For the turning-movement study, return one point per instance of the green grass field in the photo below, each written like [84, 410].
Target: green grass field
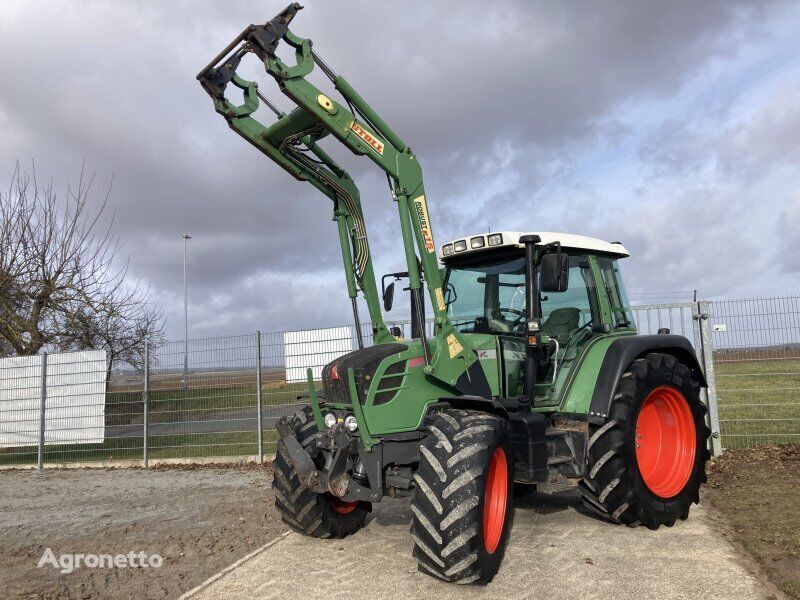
[178, 405]
[759, 401]
[196, 445]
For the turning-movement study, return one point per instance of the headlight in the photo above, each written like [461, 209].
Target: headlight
[330, 420]
[460, 245]
[447, 249]
[477, 242]
[495, 239]
[351, 423]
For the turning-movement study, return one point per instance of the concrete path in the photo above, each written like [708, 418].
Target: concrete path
[556, 551]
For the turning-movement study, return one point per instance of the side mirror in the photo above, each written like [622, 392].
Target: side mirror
[388, 297]
[554, 273]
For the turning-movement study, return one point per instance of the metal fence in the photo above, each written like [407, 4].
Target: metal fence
[757, 369]
[750, 351]
[219, 398]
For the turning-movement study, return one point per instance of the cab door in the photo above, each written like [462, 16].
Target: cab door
[567, 318]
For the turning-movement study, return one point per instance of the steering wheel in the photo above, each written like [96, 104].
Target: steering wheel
[520, 313]
[516, 321]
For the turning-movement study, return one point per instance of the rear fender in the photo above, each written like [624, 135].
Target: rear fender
[623, 351]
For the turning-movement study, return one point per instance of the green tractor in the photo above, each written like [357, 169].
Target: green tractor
[532, 373]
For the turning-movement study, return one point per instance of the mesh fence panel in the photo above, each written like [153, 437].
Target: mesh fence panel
[20, 386]
[757, 364]
[678, 318]
[75, 408]
[202, 398]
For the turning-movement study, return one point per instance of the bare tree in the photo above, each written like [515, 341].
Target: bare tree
[121, 327]
[60, 286]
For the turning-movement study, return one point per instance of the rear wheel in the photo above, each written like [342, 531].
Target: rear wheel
[462, 503]
[309, 513]
[647, 462]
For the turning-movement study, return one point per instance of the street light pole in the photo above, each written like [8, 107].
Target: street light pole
[185, 317]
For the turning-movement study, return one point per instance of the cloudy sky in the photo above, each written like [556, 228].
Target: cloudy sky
[673, 127]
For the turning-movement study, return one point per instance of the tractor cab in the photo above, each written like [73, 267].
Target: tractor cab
[486, 288]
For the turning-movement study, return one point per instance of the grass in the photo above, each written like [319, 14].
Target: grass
[759, 401]
[196, 445]
[178, 405]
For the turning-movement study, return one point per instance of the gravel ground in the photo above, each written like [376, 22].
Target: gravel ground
[199, 520]
[556, 551]
[756, 491]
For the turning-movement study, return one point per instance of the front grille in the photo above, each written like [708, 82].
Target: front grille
[392, 378]
[364, 363]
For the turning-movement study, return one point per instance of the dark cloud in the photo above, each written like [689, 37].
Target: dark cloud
[495, 101]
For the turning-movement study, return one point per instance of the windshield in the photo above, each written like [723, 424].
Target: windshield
[490, 298]
[487, 298]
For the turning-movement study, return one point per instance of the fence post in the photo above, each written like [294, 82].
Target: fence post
[259, 399]
[697, 331]
[708, 367]
[145, 402]
[42, 406]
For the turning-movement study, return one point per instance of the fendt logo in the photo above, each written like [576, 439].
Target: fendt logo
[424, 223]
[370, 139]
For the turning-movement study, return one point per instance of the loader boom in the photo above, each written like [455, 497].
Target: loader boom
[292, 141]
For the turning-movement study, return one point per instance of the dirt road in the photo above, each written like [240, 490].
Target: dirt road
[198, 520]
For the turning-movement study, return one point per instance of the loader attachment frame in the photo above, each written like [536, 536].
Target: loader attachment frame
[292, 141]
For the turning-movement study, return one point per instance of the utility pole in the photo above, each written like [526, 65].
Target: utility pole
[186, 236]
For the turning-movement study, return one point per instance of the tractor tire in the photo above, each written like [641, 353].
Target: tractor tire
[462, 505]
[309, 513]
[646, 463]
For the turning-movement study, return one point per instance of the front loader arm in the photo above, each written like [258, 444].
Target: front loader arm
[292, 142]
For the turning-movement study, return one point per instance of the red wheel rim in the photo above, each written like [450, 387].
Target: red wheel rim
[665, 441]
[342, 507]
[496, 498]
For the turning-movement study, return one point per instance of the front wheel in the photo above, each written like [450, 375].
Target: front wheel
[462, 503]
[647, 461]
[309, 513]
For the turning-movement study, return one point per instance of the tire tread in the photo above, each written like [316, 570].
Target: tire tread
[607, 488]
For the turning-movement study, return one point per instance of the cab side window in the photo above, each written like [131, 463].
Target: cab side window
[617, 296]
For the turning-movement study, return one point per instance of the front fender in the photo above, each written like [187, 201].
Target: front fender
[479, 403]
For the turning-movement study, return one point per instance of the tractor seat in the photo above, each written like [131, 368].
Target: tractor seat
[561, 323]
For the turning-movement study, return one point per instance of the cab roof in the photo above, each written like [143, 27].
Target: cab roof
[481, 242]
